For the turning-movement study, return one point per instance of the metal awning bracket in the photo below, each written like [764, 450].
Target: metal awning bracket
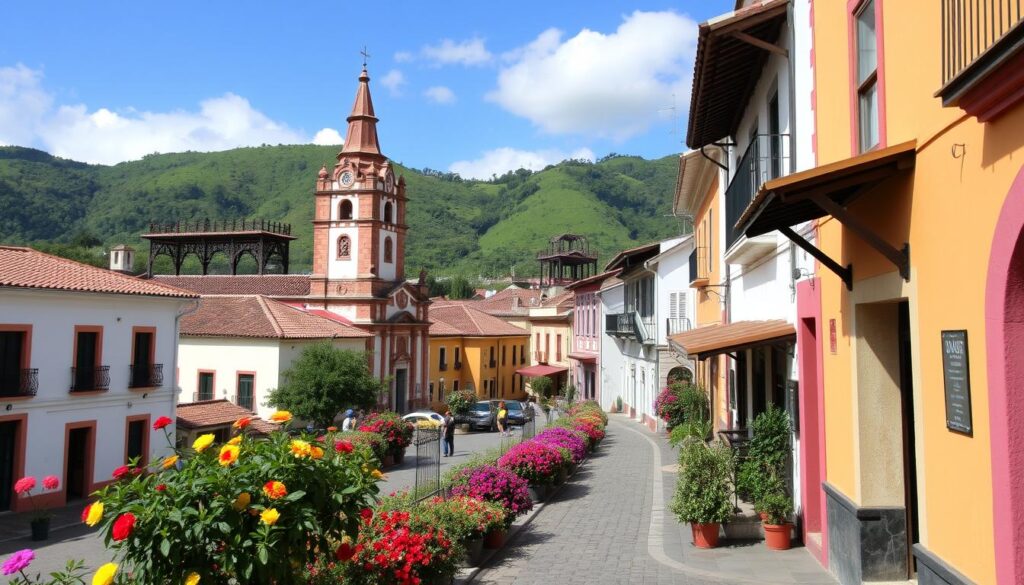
[715, 162]
[900, 258]
[845, 273]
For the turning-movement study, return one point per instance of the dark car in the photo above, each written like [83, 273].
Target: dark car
[482, 415]
[518, 413]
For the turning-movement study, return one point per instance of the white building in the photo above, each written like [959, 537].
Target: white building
[236, 347]
[86, 365]
[652, 305]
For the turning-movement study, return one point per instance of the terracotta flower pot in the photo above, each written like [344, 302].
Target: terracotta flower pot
[474, 551]
[389, 460]
[495, 539]
[399, 456]
[705, 535]
[778, 536]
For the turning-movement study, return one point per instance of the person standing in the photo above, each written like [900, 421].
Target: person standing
[448, 428]
[503, 418]
[349, 424]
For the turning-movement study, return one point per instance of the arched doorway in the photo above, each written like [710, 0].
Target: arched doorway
[679, 374]
[1004, 333]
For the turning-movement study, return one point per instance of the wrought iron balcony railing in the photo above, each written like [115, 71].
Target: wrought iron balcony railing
[90, 378]
[973, 32]
[145, 375]
[766, 158]
[493, 363]
[21, 382]
[677, 325]
[457, 366]
[629, 324]
[442, 367]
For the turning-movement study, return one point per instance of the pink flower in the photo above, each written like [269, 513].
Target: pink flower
[51, 482]
[19, 561]
[24, 485]
[121, 472]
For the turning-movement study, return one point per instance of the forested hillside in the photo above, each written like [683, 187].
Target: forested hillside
[456, 226]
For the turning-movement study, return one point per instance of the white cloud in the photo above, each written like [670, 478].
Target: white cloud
[608, 85]
[393, 80]
[440, 94]
[328, 136]
[29, 117]
[403, 57]
[501, 160]
[448, 52]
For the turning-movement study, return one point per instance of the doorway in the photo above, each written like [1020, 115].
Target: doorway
[79, 463]
[8, 455]
[142, 351]
[909, 439]
[401, 381]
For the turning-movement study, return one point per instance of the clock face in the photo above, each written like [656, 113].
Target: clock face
[346, 179]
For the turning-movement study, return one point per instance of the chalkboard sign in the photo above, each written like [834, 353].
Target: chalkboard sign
[956, 374]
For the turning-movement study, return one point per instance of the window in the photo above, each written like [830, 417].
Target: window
[522, 353]
[344, 248]
[513, 356]
[676, 310]
[430, 389]
[455, 386]
[867, 76]
[345, 209]
[88, 373]
[441, 363]
[135, 447]
[503, 351]
[558, 348]
[492, 356]
[14, 359]
[547, 344]
[245, 390]
[458, 355]
[387, 213]
[388, 253]
[205, 388]
[144, 371]
[440, 389]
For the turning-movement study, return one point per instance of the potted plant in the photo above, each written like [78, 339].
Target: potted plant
[702, 495]
[396, 432]
[618, 404]
[536, 462]
[40, 521]
[459, 403]
[775, 508]
[494, 484]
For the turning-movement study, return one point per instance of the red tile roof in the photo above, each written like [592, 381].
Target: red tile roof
[28, 268]
[216, 413]
[563, 300]
[465, 319]
[510, 301]
[260, 317]
[271, 285]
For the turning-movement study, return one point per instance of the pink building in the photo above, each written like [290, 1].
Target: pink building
[585, 358]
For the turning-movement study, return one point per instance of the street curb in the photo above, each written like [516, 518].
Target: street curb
[469, 574]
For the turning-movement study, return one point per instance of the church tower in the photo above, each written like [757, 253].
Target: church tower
[359, 236]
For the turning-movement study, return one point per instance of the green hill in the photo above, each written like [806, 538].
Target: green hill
[456, 226]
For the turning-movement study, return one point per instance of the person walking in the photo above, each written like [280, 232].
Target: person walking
[503, 418]
[349, 424]
[448, 428]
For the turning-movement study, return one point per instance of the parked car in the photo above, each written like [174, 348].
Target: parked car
[518, 413]
[482, 415]
[424, 415]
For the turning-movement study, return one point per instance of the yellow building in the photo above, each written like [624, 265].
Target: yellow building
[911, 331]
[470, 349]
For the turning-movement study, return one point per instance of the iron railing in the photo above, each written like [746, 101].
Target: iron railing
[443, 367]
[428, 463]
[224, 225]
[145, 376]
[457, 366]
[766, 158]
[20, 382]
[629, 324]
[91, 378]
[245, 401]
[698, 264]
[970, 28]
[677, 325]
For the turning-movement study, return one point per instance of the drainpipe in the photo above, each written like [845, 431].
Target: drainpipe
[188, 309]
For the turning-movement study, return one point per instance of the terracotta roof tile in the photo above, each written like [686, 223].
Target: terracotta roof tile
[510, 301]
[467, 320]
[216, 413]
[260, 317]
[271, 285]
[563, 300]
[28, 268]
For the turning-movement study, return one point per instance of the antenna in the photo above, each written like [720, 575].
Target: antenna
[675, 115]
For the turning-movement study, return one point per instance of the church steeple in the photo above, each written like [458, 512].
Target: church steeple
[362, 123]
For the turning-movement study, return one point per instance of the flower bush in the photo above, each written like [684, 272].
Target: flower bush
[534, 461]
[589, 407]
[465, 517]
[372, 444]
[573, 441]
[494, 484]
[397, 547]
[459, 402]
[681, 404]
[397, 433]
[250, 511]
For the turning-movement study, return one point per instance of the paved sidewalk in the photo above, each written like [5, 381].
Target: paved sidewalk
[598, 530]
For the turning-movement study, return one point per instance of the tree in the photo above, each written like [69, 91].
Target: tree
[459, 288]
[541, 386]
[325, 380]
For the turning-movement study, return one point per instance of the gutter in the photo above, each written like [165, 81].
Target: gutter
[192, 307]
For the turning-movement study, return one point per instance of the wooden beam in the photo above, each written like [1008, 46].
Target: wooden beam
[752, 40]
[900, 258]
[844, 273]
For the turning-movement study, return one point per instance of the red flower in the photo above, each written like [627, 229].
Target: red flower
[51, 482]
[161, 422]
[121, 472]
[367, 514]
[161, 487]
[343, 446]
[24, 485]
[345, 552]
[242, 422]
[123, 526]
[85, 512]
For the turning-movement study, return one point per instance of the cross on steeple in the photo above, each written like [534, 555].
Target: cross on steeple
[365, 56]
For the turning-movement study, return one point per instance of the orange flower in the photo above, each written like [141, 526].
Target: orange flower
[242, 422]
[235, 440]
[300, 448]
[281, 416]
[169, 462]
[316, 452]
[332, 429]
[275, 490]
[242, 501]
[228, 455]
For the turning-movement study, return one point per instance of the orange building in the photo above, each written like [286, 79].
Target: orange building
[911, 336]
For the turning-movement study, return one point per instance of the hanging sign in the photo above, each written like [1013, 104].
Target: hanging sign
[956, 374]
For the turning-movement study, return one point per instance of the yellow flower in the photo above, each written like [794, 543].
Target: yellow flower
[376, 474]
[169, 462]
[192, 579]
[228, 455]
[300, 448]
[281, 416]
[105, 574]
[235, 440]
[270, 516]
[94, 513]
[203, 442]
[242, 501]
[316, 452]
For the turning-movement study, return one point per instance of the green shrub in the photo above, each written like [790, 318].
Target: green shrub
[762, 473]
[459, 402]
[702, 492]
[541, 387]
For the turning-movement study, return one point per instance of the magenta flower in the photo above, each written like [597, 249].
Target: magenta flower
[573, 441]
[17, 562]
[51, 482]
[493, 484]
[535, 461]
[24, 485]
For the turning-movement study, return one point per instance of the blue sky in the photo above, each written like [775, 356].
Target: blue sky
[476, 87]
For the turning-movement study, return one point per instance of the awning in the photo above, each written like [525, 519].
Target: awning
[785, 202]
[731, 52]
[541, 370]
[712, 340]
[583, 357]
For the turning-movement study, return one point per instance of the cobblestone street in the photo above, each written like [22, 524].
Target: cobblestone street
[597, 530]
